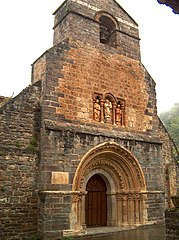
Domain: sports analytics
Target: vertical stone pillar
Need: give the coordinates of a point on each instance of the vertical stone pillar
(141, 209)
(94, 101)
(130, 209)
(112, 210)
(124, 210)
(119, 209)
(83, 211)
(122, 115)
(136, 210)
(74, 213)
(79, 207)
(102, 110)
(77, 218)
(114, 113)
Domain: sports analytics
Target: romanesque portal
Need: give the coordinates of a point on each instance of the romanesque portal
(109, 189)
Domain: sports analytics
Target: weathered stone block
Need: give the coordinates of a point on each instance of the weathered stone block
(60, 178)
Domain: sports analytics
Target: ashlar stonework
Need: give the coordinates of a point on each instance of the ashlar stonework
(83, 146)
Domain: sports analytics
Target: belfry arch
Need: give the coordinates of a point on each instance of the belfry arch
(125, 184)
(108, 26)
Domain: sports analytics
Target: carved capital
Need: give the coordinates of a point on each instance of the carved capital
(77, 198)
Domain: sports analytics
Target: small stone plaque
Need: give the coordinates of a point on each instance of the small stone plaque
(60, 178)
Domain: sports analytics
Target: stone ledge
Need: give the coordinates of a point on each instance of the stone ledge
(60, 192)
(95, 130)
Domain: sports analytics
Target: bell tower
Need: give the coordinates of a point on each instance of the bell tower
(93, 23)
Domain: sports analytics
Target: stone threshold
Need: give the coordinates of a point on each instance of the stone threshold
(104, 230)
(98, 231)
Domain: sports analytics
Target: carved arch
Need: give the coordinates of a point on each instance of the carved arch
(116, 158)
(111, 97)
(99, 14)
(125, 183)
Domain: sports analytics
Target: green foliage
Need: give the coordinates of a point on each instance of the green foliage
(171, 121)
(17, 144)
(3, 188)
(66, 9)
(35, 238)
(32, 147)
(2, 153)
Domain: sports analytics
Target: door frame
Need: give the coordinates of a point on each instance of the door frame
(100, 197)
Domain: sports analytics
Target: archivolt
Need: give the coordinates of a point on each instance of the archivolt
(118, 162)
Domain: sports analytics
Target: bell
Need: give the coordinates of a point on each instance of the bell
(102, 37)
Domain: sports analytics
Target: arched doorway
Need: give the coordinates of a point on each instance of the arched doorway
(124, 180)
(96, 202)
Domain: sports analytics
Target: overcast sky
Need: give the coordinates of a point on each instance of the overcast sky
(26, 32)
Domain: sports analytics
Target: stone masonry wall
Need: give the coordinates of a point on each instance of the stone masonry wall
(82, 70)
(19, 131)
(99, 71)
(68, 145)
(72, 142)
(39, 69)
(74, 72)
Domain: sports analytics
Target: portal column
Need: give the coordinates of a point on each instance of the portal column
(124, 210)
(141, 214)
(119, 209)
(76, 218)
(130, 209)
(136, 210)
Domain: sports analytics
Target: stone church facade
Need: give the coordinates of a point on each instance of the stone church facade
(83, 146)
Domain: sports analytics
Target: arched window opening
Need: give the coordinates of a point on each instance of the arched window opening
(107, 27)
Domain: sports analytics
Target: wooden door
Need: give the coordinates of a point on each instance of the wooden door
(96, 202)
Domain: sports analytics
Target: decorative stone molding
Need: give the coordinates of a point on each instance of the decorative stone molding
(112, 156)
(124, 180)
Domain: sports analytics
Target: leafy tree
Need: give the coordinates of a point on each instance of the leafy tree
(170, 119)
